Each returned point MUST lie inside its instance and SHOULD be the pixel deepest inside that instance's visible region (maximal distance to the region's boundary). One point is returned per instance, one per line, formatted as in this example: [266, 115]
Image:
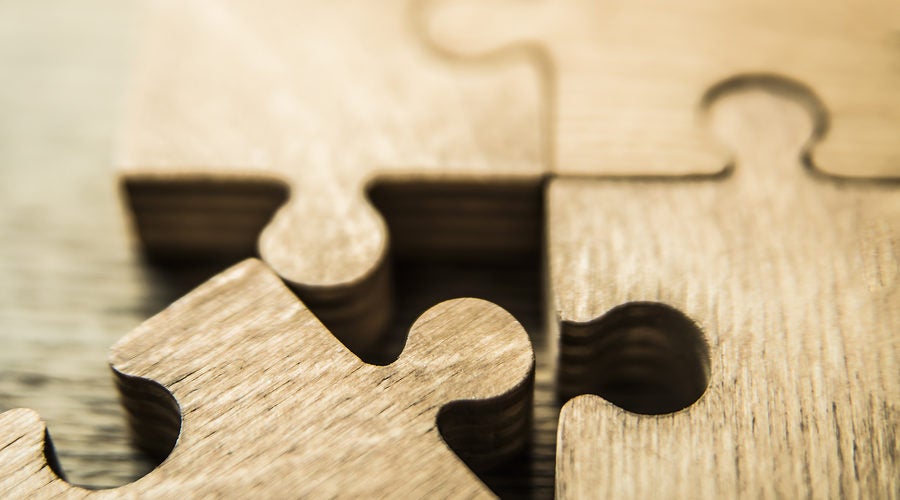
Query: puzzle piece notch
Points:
[771, 262]
[232, 90]
[645, 357]
[628, 78]
[267, 394]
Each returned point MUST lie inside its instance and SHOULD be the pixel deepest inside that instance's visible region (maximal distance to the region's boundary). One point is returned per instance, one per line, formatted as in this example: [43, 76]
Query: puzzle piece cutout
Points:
[273, 405]
[792, 277]
[628, 79]
[240, 105]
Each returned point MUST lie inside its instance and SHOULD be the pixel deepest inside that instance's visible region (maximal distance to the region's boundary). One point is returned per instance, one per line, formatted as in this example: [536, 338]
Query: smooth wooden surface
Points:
[272, 404]
[324, 98]
[626, 80]
[792, 278]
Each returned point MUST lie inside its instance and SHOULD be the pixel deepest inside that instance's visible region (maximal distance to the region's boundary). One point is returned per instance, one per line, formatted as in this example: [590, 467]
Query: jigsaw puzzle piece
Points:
[604, 451]
[271, 404]
[25, 462]
[252, 105]
[629, 79]
[774, 288]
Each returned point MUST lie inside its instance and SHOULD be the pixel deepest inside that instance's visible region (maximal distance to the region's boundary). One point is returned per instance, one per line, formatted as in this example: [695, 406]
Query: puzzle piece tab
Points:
[273, 405]
[792, 277]
[239, 105]
[628, 78]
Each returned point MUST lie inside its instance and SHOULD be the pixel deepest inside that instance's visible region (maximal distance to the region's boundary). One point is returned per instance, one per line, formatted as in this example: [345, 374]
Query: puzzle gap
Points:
[154, 415]
[462, 239]
[197, 219]
[647, 358]
[153, 420]
[457, 239]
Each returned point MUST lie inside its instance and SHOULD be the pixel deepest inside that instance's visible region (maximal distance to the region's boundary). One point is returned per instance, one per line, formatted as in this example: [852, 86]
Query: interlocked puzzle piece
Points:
[791, 277]
[273, 405]
[630, 77]
[239, 104]
[647, 126]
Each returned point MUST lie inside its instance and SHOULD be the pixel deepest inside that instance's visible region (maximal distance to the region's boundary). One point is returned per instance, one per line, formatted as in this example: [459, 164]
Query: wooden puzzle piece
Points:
[242, 105]
[790, 278]
[271, 404]
[628, 78]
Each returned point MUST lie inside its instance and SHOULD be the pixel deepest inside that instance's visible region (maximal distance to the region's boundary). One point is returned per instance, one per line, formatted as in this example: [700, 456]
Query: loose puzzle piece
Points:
[273, 405]
[239, 105]
[791, 275]
[630, 77]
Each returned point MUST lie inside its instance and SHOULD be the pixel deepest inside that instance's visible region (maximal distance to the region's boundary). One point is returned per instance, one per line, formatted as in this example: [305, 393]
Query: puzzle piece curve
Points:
[240, 106]
[628, 79]
[273, 405]
[794, 281]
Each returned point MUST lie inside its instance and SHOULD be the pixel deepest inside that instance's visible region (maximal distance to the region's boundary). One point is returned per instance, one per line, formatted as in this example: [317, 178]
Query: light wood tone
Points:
[627, 79]
[72, 281]
[273, 405]
[71, 285]
[311, 101]
[791, 275]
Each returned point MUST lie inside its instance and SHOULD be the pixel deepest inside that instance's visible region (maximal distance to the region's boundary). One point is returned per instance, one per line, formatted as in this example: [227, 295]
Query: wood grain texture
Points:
[271, 404]
[71, 284]
[791, 277]
[627, 79]
[320, 99]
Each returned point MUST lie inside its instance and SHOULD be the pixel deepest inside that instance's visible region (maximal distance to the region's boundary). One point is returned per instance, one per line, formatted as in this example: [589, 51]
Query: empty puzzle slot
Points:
[644, 357]
[154, 421]
[199, 217]
[458, 238]
[154, 416]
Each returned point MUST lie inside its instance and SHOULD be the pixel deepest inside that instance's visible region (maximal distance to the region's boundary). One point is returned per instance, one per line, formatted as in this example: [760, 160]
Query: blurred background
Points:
[71, 278]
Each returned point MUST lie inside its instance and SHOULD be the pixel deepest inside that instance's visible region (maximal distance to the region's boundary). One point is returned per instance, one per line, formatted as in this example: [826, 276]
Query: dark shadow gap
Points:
[153, 419]
[644, 357]
[154, 416]
[473, 239]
